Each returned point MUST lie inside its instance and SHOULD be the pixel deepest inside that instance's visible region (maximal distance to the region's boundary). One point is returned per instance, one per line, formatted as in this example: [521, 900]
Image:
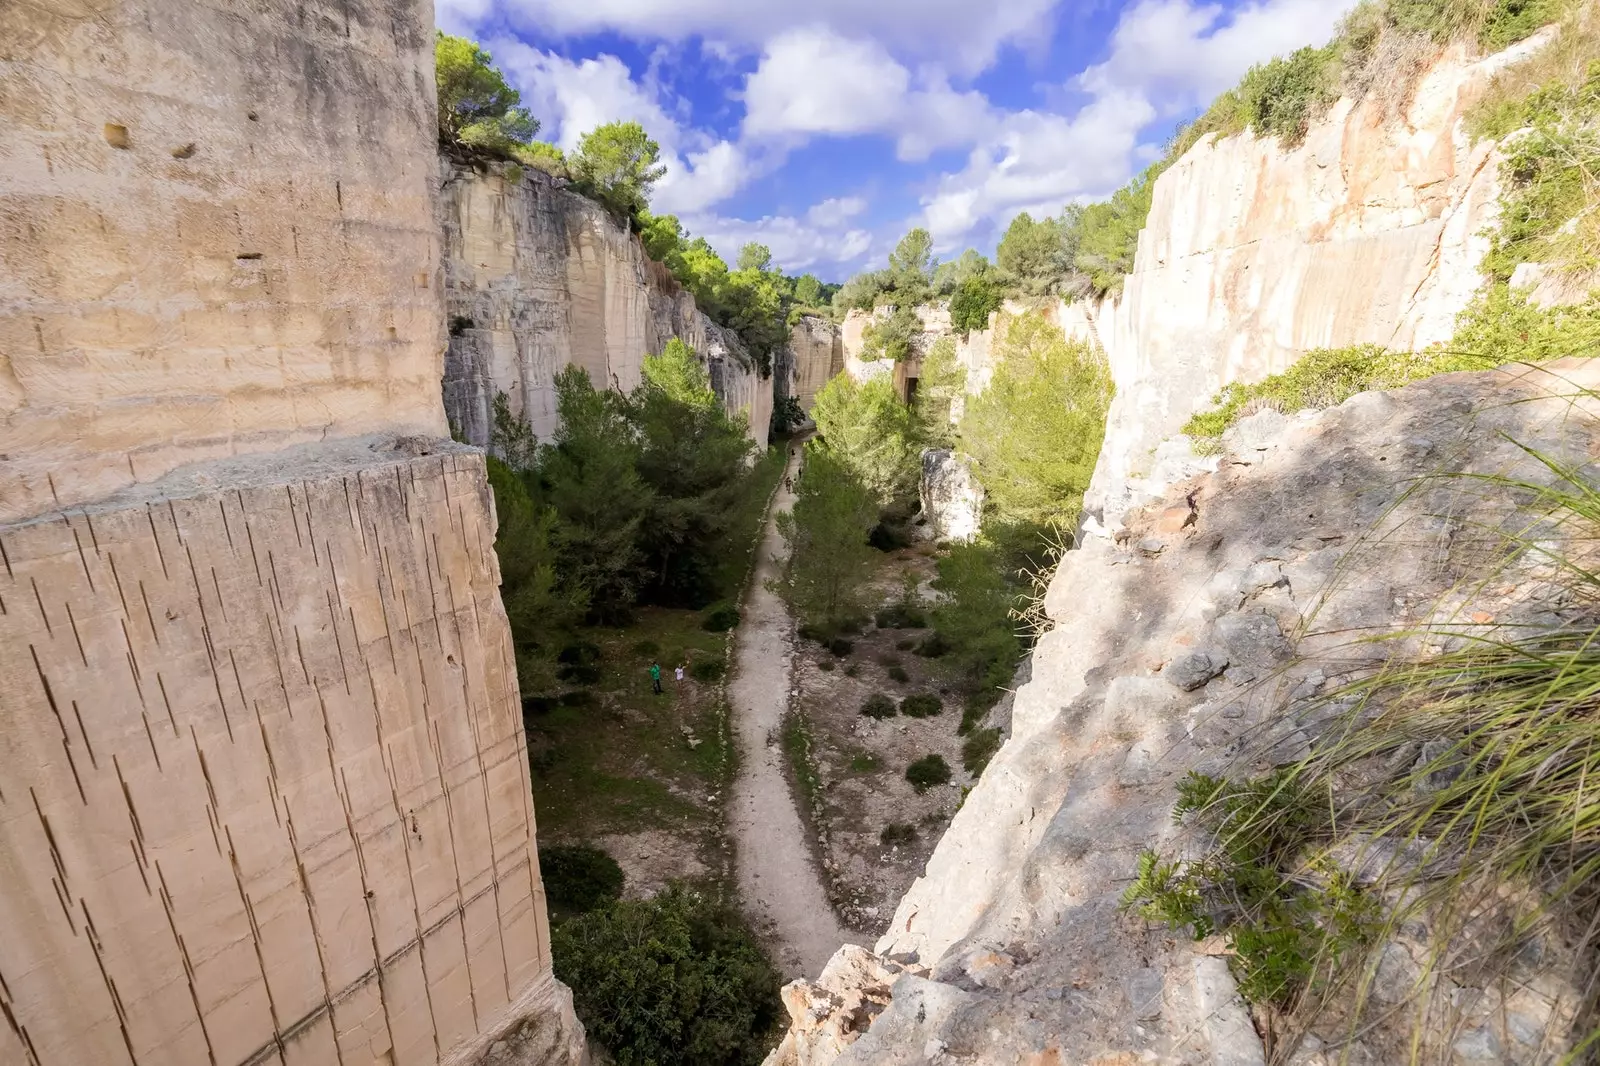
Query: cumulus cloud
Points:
[798, 244]
[814, 81]
[836, 211]
[1165, 56]
[960, 35]
[572, 97]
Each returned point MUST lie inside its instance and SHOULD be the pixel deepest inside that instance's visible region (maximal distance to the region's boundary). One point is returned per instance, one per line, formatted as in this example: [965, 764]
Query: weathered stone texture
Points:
[814, 354]
[1371, 232]
[216, 235]
[265, 791]
[538, 278]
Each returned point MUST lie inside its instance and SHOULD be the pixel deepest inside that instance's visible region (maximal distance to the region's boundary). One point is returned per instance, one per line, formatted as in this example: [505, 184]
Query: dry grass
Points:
[1563, 62]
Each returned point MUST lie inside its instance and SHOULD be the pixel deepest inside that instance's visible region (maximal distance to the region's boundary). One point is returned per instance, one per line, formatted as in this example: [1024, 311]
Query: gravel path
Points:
[778, 880]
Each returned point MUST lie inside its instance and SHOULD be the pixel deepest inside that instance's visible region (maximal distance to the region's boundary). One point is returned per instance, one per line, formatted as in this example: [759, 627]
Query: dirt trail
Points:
[778, 881]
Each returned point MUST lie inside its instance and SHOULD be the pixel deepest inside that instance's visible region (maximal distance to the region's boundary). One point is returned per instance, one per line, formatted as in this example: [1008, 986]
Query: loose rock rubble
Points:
[1201, 645]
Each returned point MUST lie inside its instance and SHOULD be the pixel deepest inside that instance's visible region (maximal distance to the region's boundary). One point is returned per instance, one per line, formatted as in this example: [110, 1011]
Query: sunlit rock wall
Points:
[814, 354]
[263, 779]
[538, 278]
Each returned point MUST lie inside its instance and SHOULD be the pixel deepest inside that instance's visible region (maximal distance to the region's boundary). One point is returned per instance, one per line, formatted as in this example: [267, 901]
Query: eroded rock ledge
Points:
[1197, 642]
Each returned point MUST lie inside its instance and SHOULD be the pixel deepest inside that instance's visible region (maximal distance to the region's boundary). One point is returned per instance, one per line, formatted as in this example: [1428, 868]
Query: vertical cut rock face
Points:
[537, 279]
[263, 781]
[814, 354]
[216, 236]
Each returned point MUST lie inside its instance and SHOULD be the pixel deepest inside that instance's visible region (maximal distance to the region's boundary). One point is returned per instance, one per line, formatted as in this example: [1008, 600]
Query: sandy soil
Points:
[778, 880]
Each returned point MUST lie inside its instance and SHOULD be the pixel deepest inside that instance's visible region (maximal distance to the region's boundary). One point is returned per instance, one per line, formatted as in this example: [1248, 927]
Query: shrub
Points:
[974, 300]
[826, 531]
[878, 705]
[974, 620]
[579, 675]
[922, 705]
[579, 697]
[853, 670]
[841, 647]
[978, 749]
[678, 980]
[646, 649]
[1282, 97]
[900, 616]
[580, 654]
[708, 670]
[865, 763]
[898, 673]
[928, 771]
[907, 644]
[825, 665]
[889, 536]
[720, 619]
[933, 646]
[897, 834]
[578, 879]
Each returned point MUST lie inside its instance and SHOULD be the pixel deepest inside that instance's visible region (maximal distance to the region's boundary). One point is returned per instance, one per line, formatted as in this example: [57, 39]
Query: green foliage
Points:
[911, 267]
[786, 415]
[1329, 376]
[865, 763]
[897, 835]
[928, 771]
[1037, 257]
[1280, 98]
[942, 380]
[921, 705]
[708, 671]
[901, 615]
[679, 376]
[545, 156]
[578, 879]
[617, 164]
[757, 257]
[678, 979]
[974, 300]
[1034, 433]
[979, 747]
[973, 621]
[1548, 175]
[898, 674]
[808, 291]
[1109, 232]
[872, 434]
[827, 536]
[1289, 933]
[1501, 325]
[720, 619]
[862, 292]
[895, 337]
[950, 276]
[477, 108]
[878, 705]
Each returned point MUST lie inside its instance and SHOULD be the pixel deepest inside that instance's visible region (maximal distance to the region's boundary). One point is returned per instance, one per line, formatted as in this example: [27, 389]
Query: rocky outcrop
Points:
[536, 279]
[264, 790]
[952, 499]
[814, 354]
[1198, 641]
[1371, 232]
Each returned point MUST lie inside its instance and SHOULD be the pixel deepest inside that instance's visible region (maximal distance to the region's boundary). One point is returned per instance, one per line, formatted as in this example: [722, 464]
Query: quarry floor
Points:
[779, 883]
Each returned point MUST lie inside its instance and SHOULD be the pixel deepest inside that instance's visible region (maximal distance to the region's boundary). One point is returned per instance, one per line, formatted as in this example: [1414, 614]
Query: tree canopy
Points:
[477, 108]
[618, 165]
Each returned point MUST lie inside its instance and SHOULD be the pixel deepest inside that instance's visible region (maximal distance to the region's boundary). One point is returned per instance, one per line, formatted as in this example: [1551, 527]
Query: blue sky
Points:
[827, 129]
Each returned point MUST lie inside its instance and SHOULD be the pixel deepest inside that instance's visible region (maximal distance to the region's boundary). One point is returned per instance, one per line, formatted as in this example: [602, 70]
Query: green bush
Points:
[898, 674]
[900, 616]
[973, 622]
[721, 619]
[865, 763]
[708, 670]
[978, 749]
[928, 771]
[1282, 97]
[830, 560]
[646, 649]
[972, 303]
[897, 834]
[578, 879]
[825, 665]
[878, 705]
[678, 980]
[933, 646]
[841, 647]
[907, 644]
[921, 705]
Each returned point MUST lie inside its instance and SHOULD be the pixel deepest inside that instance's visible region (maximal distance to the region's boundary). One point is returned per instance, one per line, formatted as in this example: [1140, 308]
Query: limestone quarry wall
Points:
[814, 354]
[265, 785]
[536, 279]
[1371, 232]
[263, 780]
[216, 235]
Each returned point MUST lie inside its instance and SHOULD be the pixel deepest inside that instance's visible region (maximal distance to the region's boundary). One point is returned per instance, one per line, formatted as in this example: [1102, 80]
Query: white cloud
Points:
[960, 35]
[1165, 56]
[836, 211]
[572, 97]
[814, 81]
[797, 244]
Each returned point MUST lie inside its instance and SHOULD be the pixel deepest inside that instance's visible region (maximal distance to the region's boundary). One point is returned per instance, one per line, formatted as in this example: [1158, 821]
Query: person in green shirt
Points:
[655, 677]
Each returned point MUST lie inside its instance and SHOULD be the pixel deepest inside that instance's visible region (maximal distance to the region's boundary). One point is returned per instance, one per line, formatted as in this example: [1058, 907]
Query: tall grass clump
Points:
[1456, 794]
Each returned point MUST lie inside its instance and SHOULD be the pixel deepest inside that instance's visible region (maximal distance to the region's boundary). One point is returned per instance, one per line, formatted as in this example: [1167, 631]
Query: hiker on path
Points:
[677, 672]
[655, 677]
[788, 486]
